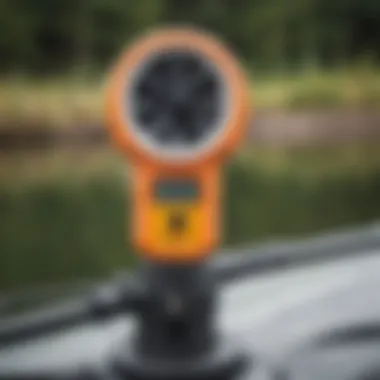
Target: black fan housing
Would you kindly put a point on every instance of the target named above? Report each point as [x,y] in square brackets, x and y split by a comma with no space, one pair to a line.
[176,101]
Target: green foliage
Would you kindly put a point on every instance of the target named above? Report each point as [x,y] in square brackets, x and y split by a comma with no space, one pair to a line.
[311,97]
[53,35]
[263,206]
[58,231]
[58,227]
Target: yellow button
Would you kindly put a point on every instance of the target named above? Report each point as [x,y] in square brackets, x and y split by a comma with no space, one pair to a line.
[176,224]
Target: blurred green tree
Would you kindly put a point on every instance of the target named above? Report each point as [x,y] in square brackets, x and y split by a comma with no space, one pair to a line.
[53,35]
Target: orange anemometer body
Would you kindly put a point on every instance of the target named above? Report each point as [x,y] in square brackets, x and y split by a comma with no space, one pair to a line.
[177,193]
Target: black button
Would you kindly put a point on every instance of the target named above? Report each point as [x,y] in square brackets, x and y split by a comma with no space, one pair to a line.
[177,223]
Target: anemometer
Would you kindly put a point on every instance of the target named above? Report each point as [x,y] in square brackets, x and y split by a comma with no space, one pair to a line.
[177,107]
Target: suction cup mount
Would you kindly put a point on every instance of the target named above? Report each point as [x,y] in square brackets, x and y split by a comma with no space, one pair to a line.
[176,336]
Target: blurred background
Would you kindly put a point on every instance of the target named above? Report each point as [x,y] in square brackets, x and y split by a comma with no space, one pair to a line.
[311,162]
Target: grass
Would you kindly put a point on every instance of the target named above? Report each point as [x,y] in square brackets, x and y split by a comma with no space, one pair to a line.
[66,217]
[59,103]
[357,87]
[313,164]
[75,101]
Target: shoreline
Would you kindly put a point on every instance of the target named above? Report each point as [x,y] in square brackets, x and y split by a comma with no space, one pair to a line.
[269,128]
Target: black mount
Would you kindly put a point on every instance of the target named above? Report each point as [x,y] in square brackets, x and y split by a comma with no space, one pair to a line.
[176,336]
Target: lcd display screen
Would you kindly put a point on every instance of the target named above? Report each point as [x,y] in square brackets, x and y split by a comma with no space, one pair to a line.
[176,190]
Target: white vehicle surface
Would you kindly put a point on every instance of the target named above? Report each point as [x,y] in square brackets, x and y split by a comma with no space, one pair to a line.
[318,320]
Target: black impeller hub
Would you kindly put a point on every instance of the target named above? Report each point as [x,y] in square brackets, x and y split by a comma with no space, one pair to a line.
[178,98]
